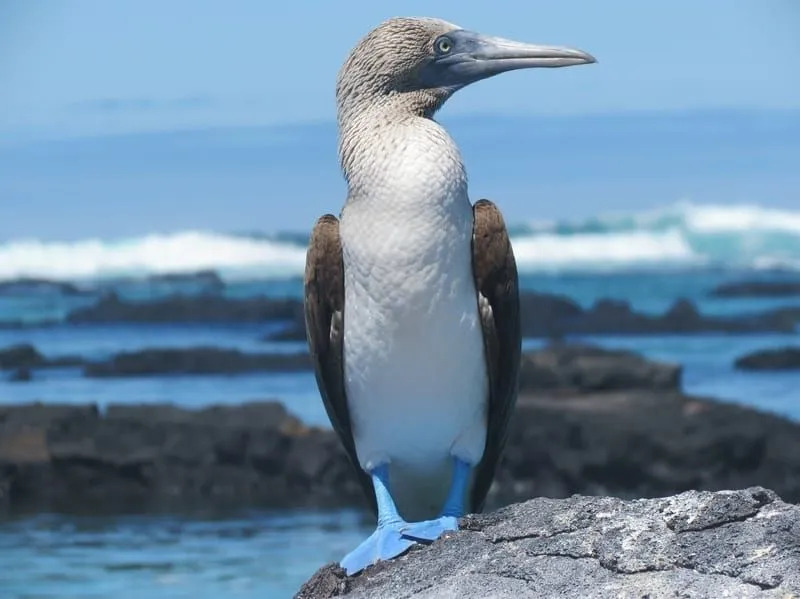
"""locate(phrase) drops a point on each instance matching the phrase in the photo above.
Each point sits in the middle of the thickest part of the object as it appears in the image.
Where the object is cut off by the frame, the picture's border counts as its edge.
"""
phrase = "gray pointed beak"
(472, 56)
(500, 54)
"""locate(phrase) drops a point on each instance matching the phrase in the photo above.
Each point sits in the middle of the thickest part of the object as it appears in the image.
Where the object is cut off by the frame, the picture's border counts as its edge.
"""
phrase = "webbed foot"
(429, 530)
(385, 543)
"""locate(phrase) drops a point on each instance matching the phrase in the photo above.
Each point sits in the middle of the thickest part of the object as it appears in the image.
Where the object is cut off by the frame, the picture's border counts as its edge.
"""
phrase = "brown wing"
(324, 312)
(498, 300)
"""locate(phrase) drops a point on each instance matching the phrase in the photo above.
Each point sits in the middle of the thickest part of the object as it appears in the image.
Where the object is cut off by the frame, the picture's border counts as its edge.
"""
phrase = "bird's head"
(425, 61)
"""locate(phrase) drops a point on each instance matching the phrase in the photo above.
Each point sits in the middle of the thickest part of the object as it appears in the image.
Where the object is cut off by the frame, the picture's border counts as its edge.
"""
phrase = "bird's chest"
(407, 228)
(406, 258)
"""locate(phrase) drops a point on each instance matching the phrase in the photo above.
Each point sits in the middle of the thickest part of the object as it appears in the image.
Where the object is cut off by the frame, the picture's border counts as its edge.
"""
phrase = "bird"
(411, 295)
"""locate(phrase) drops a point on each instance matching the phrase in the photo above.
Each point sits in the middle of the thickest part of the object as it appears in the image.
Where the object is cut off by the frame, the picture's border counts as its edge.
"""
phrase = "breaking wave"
(152, 254)
(684, 235)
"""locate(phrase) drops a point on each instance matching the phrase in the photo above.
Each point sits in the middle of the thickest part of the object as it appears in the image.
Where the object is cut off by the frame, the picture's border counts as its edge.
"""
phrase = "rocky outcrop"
(743, 544)
(782, 358)
(27, 286)
(643, 444)
(616, 317)
(201, 281)
(20, 356)
(570, 368)
(757, 289)
(543, 316)
(621, 443)
(588, 421)
(559, 367)
(187, 308)
(142, 458)
(553, 316)
(195, 360)
(25, 357)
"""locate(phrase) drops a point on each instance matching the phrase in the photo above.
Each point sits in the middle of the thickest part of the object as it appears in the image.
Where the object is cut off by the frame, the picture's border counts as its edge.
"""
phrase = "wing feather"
(324, 314)
(497, 285)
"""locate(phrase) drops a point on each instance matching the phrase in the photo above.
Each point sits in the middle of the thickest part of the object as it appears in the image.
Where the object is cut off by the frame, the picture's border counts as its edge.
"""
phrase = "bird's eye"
(443, 45)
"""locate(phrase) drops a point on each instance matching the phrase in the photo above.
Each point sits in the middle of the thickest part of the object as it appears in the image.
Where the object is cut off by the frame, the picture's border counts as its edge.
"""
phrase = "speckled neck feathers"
(380, 109)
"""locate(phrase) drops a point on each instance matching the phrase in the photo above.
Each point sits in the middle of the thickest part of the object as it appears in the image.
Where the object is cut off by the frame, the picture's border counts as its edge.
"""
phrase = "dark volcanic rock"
(543, 315)
(204, 281)
(195, 360)
(21, 375)
(294, 330)
(138, 458)
(625, 444)
(757, 289)
(20, 356)
(782, 358)
(643, 444)
(554, 316)
(31, 286)
(615, 317)
(25, 357)
(743, 544)
(591, 421)
(179, 308)
(547, 315)
(570, 368)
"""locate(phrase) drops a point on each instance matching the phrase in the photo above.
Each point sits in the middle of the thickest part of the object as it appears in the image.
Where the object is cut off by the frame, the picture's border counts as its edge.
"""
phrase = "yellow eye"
(443, 45)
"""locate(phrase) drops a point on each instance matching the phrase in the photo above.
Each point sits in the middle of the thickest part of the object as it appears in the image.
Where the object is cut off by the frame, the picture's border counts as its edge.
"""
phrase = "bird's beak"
(498, 55)
(475, 56)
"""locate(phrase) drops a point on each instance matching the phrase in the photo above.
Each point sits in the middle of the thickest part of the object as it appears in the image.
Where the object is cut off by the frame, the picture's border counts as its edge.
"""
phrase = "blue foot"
(429, 530)
(385, 543)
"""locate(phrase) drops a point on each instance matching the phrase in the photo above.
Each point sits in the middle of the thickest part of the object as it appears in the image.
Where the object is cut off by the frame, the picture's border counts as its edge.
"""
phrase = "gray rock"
(23, 355)
(195, 360)
(586, 368)
(738, 544)
(184, 308)
(757, 289)
(781, 358)
(550, 316)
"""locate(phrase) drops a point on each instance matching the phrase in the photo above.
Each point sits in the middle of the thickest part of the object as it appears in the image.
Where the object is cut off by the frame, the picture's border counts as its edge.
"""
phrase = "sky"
(123, 118)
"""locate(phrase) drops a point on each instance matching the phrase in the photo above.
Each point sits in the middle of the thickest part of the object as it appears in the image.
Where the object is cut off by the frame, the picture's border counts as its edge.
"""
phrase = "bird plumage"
(412, 305)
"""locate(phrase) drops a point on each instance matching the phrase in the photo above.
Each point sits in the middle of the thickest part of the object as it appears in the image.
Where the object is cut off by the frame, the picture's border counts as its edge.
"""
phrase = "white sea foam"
(744, 218)
(153, 254)
(549, 251)
(682, 234)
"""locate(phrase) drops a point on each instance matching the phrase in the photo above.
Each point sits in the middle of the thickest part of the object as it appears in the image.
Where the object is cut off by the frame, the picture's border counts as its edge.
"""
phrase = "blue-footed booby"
(411, 298)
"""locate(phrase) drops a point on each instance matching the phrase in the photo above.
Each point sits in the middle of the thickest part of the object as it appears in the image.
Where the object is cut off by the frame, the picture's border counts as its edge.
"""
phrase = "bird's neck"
(391, 153)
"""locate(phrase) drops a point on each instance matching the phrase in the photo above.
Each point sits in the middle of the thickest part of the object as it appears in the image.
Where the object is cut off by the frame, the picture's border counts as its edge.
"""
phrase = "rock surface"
(616, 317)
(186, 308)
(543, 315)
(782, 358)
(25, 356)
(737, 544)
(622, 443)
(195, 360)
(27, 286)
(585, 368)
(150, 457)
(757, 289)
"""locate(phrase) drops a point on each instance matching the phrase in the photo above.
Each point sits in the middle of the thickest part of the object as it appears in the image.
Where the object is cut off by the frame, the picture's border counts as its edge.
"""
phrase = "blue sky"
(122, 118)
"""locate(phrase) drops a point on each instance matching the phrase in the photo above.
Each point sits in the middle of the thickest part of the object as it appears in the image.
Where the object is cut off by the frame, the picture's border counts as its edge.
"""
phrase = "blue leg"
(387, 541)
(430, 530)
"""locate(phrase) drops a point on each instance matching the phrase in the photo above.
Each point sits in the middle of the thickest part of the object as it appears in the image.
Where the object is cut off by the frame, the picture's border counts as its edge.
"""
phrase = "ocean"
(648, 259)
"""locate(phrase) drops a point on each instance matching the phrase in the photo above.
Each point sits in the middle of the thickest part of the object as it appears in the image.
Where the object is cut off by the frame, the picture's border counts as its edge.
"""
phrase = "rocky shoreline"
(543, 315)
(588, 421)
(743, 544)
(780, 358)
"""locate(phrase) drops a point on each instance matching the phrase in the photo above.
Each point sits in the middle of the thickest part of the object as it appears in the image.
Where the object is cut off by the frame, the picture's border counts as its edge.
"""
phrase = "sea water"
(649, 260)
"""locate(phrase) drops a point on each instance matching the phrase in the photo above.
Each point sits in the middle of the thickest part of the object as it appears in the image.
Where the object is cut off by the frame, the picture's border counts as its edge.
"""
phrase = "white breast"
(414, 361)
